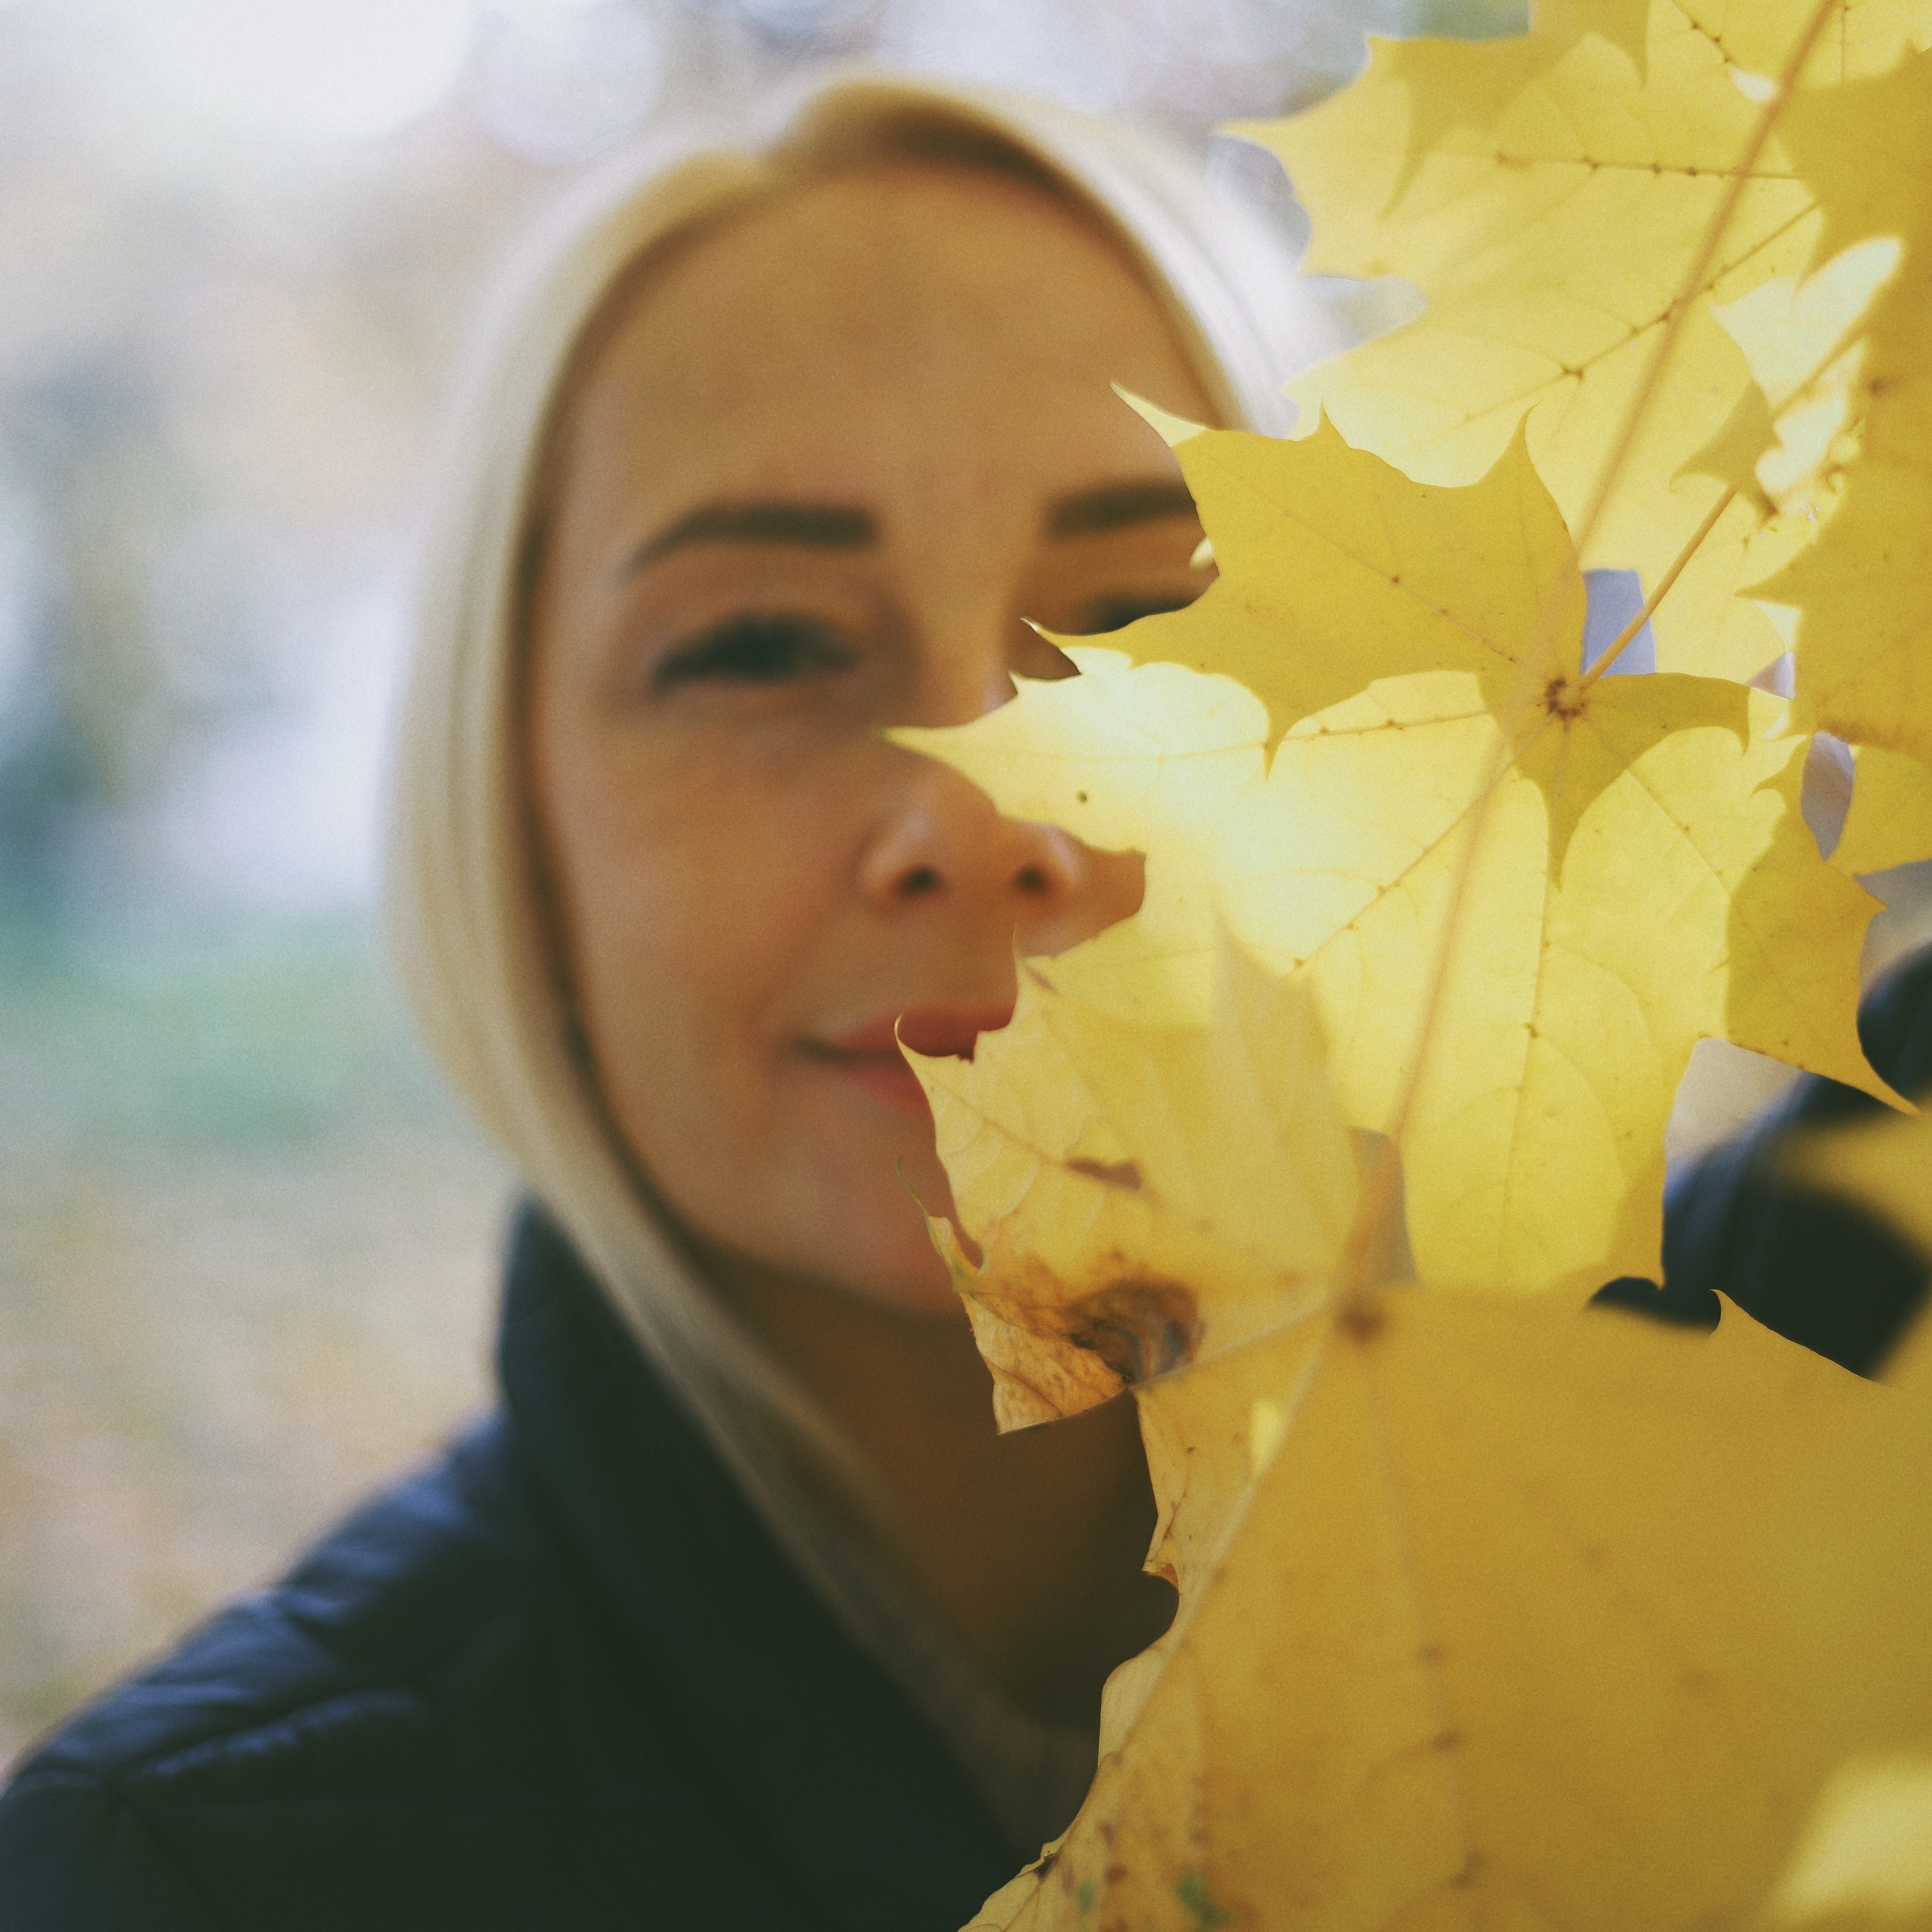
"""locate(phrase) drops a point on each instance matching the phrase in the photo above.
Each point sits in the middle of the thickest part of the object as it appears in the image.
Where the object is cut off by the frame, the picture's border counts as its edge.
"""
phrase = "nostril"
(1031, 879)
(918, 882)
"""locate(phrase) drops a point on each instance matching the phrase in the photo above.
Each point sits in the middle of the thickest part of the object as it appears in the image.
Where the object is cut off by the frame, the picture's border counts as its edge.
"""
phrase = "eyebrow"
(846, 527)
(813, 526)
(1114, 506)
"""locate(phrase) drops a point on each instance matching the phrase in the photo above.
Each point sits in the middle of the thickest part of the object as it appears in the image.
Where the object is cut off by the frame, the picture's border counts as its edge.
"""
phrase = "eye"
(1106, 613)
(756, 647)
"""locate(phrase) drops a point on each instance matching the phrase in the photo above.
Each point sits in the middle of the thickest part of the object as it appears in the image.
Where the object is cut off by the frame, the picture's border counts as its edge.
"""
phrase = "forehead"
(878, 323)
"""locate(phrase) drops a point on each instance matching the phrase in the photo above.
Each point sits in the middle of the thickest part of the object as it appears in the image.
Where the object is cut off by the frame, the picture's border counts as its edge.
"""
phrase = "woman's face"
(827, 461)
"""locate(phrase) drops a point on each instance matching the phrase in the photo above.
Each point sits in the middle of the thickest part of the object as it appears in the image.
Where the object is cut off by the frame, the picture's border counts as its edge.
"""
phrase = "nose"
(944, 838)
(944, 845)
(940, 843)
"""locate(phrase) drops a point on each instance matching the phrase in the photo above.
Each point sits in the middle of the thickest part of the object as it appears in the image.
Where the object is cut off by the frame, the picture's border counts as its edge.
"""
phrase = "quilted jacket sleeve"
(1815, 1269)
(78, 1859)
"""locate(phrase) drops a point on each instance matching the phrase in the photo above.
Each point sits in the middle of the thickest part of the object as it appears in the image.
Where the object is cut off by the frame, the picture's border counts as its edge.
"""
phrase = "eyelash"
(760, 648)
(757, 648)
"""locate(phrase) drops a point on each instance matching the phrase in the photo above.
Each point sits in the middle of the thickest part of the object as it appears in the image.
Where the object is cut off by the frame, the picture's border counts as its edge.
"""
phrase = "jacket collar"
(826, 1762)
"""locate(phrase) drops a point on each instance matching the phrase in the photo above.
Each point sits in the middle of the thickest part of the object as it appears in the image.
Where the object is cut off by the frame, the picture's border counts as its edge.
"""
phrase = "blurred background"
(247, 1244)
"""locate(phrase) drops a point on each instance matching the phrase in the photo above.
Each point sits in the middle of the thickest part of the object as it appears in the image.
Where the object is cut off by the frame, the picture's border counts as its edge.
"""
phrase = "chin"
(901, 1273)
(933, 1298)
(892, 1260)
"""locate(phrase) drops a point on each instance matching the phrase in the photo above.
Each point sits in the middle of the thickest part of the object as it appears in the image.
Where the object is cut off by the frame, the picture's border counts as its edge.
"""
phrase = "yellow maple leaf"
(1782, 455)
(1139, 1194)
(1336, 569)
(1864, 1858)
(1642, 880)
(1495, 1613)
(1474, 1630)
(1492, 178)
(1890, 822)
(1864, 645)
(1484, 1603)
(1150, 759)
(1852, 1565)
(1495, 199)
(1799, 336)
(1490, 1614)
(1861, 37)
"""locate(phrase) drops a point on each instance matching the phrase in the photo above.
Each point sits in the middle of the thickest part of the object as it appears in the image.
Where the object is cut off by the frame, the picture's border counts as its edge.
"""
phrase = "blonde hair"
(471, 941)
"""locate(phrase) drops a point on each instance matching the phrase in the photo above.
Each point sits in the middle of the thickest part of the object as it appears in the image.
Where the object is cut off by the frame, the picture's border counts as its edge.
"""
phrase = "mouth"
(868, 1056)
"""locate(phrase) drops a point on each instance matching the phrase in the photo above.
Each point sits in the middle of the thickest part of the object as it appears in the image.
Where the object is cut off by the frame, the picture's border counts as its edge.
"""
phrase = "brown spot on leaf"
(1563, 699)
(1140, 1329)
(1360, 1318)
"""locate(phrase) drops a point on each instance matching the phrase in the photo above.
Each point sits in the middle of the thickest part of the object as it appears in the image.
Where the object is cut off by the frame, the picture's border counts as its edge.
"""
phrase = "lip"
(868, 1055)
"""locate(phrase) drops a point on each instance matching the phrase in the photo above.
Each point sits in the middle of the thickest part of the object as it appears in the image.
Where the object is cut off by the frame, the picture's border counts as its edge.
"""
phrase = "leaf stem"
(1623, 638)
(1679, 313)
(1379, 1193)
(1534, 663)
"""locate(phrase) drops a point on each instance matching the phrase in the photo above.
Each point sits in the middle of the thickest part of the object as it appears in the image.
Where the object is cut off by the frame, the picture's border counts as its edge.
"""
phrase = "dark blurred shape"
(1689, 1308)
(1815, 1269)
(478, 1705)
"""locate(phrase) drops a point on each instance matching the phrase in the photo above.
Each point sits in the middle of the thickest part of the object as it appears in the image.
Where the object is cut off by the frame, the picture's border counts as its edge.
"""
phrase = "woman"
(737, 1613)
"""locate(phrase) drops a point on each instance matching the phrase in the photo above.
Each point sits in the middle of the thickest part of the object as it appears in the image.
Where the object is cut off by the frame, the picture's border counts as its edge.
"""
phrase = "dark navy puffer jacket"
(566, 1681)
(1814, 1269)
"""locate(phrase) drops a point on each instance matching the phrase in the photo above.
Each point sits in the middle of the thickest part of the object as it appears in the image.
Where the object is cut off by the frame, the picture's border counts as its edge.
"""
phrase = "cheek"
(693, 892)
(706, 910)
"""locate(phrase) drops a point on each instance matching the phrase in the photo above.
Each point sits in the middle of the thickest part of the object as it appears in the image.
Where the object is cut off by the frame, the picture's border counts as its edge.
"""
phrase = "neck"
(1030, 1545)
